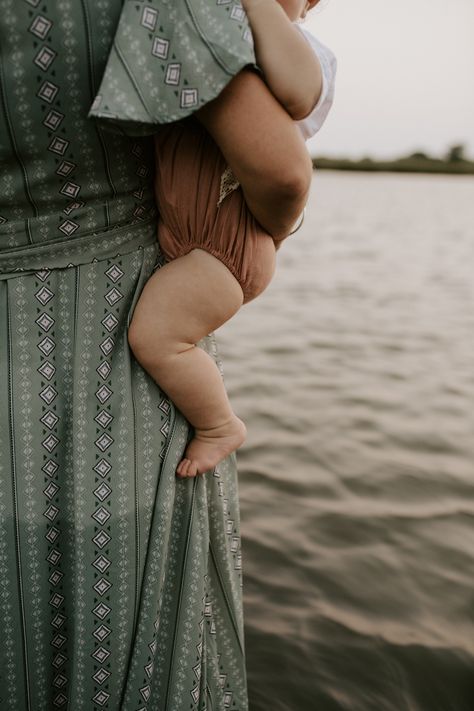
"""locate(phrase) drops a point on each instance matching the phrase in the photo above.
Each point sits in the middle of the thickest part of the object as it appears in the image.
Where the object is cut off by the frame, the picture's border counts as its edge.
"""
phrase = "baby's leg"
(181, 303)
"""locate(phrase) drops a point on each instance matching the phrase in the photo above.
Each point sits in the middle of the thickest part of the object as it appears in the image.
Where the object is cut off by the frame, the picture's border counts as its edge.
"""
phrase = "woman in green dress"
(121, 585)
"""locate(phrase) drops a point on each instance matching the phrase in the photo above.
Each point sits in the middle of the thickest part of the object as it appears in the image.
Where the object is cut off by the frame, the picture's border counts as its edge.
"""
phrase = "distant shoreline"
(410, 164)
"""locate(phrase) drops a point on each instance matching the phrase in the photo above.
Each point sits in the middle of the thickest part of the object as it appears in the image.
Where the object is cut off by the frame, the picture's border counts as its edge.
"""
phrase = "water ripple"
(354, 373)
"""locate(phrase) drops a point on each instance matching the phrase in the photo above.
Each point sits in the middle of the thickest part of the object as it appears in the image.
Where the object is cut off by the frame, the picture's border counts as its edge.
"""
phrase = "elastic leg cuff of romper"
(215, 253)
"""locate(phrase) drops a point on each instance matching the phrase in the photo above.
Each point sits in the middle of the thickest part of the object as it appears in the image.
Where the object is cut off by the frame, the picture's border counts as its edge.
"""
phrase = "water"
(354, 373)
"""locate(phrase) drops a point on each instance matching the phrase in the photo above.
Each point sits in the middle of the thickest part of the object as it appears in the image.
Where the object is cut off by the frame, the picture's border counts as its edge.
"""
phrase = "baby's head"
(297, 9)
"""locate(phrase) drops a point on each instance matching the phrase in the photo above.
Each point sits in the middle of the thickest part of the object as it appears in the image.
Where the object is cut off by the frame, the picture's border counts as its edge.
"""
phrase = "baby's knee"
(151, 346)
(143, 342)
(136, 339)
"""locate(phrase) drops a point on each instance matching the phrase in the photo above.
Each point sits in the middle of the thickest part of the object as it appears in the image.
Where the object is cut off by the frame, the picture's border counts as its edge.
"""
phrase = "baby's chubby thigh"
(182, 302)
(147, 330)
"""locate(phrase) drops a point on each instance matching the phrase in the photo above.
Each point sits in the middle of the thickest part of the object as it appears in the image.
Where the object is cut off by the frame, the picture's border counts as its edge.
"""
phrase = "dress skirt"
(120, 583)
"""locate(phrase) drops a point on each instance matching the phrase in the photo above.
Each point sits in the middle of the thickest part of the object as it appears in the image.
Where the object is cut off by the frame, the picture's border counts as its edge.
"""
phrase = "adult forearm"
(290, 67)
(278, 208)
(264, 149)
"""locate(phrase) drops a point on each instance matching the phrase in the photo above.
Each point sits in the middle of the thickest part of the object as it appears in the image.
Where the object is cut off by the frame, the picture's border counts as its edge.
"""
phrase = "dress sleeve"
(168, 58)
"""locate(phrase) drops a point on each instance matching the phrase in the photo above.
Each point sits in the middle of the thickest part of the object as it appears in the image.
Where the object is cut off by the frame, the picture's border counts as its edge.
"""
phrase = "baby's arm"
(290, 67)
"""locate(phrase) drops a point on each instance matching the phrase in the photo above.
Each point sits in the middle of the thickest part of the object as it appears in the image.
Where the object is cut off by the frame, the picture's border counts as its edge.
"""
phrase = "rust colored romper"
(189, 167)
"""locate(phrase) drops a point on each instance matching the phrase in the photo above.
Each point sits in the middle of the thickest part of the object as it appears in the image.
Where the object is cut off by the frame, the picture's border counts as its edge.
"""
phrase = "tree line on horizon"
(454, 161)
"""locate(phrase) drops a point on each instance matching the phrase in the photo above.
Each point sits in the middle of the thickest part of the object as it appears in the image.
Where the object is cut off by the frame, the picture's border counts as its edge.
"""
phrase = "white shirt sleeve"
(313, 122)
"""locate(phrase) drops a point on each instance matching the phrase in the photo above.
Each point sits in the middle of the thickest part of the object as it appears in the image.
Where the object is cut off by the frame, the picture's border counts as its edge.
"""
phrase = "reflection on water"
(354, 373)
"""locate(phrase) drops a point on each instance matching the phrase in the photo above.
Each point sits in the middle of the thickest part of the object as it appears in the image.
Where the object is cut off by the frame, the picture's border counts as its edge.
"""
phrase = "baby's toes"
(193, 468)
(182, 467)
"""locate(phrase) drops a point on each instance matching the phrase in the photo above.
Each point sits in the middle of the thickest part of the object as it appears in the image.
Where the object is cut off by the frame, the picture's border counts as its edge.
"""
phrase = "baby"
(218, 256)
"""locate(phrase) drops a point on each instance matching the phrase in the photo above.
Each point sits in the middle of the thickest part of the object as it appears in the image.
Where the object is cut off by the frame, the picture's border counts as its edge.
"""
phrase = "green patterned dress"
(120, 584)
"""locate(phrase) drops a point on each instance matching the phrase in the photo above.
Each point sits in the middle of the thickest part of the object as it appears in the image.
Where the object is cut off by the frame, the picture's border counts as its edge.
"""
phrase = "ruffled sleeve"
(169, 58)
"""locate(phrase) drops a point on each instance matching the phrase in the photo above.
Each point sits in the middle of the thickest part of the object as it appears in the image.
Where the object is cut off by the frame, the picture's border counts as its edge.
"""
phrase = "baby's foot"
(211, 446)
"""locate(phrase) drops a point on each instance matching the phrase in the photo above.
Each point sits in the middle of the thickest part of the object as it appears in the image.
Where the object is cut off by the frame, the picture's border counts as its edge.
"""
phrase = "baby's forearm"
(290, 67)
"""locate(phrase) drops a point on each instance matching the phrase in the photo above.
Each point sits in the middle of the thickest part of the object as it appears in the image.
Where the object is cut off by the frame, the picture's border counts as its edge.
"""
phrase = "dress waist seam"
(81, 250)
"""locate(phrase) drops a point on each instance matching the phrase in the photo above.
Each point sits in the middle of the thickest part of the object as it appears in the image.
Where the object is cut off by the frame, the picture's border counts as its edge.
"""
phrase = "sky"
(405, 79)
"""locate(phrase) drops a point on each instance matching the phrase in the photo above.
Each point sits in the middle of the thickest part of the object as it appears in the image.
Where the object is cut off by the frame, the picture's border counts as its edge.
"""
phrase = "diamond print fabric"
(168, 58)
(121, 585)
